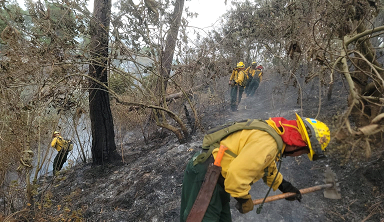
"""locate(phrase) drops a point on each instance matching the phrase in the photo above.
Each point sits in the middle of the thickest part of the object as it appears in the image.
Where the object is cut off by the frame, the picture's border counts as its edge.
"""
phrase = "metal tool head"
(330, 178)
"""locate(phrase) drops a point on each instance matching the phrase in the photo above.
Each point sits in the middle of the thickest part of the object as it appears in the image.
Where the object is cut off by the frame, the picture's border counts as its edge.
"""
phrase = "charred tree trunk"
(103, 135)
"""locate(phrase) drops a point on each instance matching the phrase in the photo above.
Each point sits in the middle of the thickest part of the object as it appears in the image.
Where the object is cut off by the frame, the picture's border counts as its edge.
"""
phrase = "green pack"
(215, 135)
(67, 144)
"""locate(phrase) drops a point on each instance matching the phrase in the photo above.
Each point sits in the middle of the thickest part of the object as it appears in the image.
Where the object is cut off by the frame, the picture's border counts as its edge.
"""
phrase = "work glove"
(244, 205)
(287, 187)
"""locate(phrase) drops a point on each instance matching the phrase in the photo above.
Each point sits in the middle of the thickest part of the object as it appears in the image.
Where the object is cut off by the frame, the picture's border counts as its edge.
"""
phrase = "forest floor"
(147, 185)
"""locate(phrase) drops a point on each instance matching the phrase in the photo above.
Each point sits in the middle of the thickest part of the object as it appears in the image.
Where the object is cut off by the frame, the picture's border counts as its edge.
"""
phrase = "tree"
(38, 88)
(103, 136)
(170, 45)
(150, 58)
(166, 63)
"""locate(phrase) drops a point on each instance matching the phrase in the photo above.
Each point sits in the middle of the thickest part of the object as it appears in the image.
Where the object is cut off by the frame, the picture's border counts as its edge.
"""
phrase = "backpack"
(215, 135)
(68, 144)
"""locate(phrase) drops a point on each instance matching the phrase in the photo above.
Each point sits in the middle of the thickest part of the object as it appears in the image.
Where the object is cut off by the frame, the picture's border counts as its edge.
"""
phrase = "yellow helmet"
(254, 63)
(54, 133)
(316, 134)
(240, 65)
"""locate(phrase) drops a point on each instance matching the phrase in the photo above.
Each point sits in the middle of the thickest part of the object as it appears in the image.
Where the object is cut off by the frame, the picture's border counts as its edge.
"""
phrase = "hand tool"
(332, 190)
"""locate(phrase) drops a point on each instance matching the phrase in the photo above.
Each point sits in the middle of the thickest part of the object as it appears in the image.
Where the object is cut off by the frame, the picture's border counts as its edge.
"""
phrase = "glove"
(244, 205)
(287, 187)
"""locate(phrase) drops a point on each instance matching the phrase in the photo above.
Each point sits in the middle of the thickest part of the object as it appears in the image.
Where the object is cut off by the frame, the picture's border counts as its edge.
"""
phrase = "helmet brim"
(305, 136)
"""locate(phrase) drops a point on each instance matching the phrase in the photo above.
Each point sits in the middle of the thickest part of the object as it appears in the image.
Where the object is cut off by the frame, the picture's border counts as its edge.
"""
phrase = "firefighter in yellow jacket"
(255, 154)
(63, 147)
(250, 72)
(257, 75)
(237, 81)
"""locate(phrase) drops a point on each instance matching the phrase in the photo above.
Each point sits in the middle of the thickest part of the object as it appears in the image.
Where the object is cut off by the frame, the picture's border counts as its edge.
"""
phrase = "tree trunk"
(165, 70)
(103, 135)
(170, 45)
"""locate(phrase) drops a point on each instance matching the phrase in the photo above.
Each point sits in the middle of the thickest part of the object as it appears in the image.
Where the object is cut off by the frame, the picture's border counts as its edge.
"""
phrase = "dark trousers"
(59, 160)
(253, 86)
(218, 209)
(236, 94)
(248, 86)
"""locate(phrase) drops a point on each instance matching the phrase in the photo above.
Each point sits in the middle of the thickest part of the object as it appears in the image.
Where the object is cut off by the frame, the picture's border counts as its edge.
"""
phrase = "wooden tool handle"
(285, 195)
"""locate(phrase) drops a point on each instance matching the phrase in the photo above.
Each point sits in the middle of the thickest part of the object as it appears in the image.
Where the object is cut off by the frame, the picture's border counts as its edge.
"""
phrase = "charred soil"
(146, 186)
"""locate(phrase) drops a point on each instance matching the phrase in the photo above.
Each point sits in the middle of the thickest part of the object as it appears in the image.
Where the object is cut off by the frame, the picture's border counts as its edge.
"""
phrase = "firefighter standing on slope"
(257, 75)
(63, 147)
(237, 85)
(255, 154)
(250, 71)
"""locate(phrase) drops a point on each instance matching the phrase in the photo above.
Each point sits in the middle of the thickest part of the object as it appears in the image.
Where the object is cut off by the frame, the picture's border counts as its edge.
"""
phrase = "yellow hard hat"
(316, 134)
(240, 65)
(56, 132)
(254, 63)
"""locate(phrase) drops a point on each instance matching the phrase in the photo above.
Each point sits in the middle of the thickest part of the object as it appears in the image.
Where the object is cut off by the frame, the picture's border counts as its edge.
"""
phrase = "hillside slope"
(147, 186)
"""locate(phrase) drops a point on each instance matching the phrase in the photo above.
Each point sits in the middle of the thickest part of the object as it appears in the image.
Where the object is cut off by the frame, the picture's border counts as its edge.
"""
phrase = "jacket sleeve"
(247, 70)
(53, 143)
(261, 75)
(257, 154)
(252, 72)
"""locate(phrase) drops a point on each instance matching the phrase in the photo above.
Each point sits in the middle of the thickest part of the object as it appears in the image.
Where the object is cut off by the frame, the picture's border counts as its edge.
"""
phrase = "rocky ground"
(147, 185)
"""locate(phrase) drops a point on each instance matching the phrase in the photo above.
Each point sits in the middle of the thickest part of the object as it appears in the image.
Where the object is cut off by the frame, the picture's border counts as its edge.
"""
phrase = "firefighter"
(237, 81)
(252, 156)
(250, 71)
(63, 147)
(257, 76)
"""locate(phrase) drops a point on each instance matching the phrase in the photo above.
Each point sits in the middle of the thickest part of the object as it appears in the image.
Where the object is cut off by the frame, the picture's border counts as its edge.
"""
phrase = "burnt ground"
(147, 186)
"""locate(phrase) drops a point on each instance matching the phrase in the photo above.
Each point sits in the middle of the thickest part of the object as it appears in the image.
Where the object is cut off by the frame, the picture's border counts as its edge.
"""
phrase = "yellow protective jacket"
(256, 152)
(250, 71)
(238, 76)
(254, 72)
(58, 143)
(260, 73)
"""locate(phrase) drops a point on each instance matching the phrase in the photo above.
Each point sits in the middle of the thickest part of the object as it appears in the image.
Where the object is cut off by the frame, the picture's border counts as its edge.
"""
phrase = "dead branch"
(352, 89)
(362, 34)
